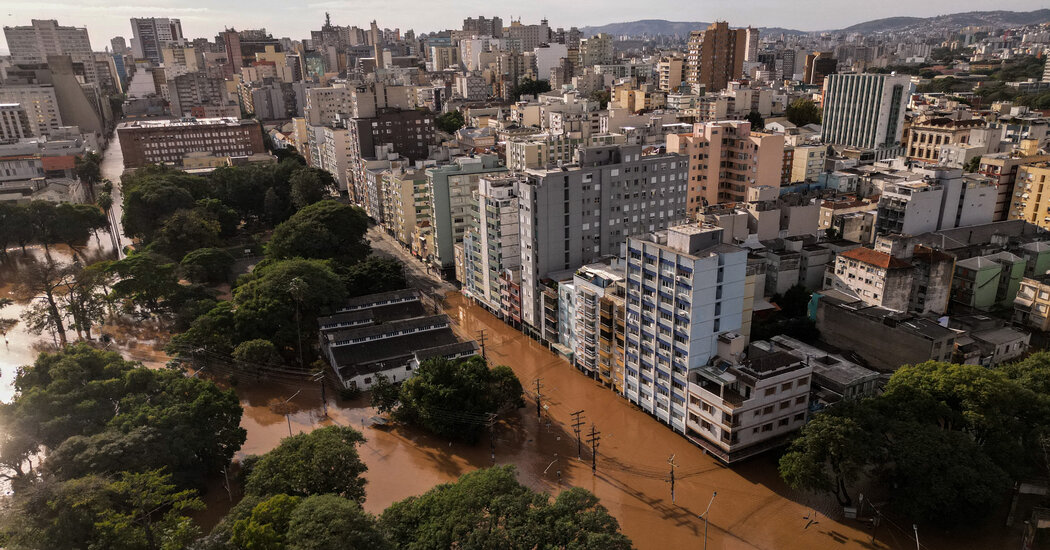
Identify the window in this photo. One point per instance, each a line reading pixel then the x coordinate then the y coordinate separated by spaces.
pixel 785 404
pixel 783 422
pixel 768 410
pixel 770 391
pixel 785 386
pixel 800 400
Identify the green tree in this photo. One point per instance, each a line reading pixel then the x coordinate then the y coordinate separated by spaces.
pixel 528 86
pixel 42 282
pixel 373 275
pixel 972 165
pixel 802 112
pixel 757 122
pixel 384 394
pixel 74 223
pixel 490 509
pixel 214 210
pixel 84 297
pixel 214 332
pixel 449 122
pixel 322 461
pixel 256 355
pixel 266 527
pixel 146 280
pixel 310 185
pixel 328 522
pixel 830 454
pixel 148 205
pixel 323 230
pixel 186 230
pixel 454 398
pixel 266 309
pixel 88 170
pixel 207 265
pixel 602 97
pixel 150 513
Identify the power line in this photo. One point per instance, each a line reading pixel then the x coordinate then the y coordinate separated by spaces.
pixel 593 440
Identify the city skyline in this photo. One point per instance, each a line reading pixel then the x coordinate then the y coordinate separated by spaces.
pixel 201 19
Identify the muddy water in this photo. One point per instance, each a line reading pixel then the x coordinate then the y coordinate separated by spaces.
pixel 753 508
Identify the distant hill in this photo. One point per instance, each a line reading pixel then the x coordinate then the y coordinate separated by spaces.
pixel 954 21
pixel 661 27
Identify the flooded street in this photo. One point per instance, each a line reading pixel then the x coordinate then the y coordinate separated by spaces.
pixel 753 509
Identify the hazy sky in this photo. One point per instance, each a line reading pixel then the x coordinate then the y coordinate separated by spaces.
pixel 106 19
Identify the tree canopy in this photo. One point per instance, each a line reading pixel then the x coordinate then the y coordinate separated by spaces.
pixel 323 230
pixel 127 448
pixel 454 398
pixel 802 112
pixel 322 461
pixel 950 439
pixel 449 122
pixel 490 509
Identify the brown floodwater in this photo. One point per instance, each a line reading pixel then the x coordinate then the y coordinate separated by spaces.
pixel 753 509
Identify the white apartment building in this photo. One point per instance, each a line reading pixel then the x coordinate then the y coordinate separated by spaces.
pixel 43 37
pixel 685 287
pixel 865 110
pixel 740 406
pixel 572 215
pixel 491 242
pixel 151 34
pixel 335 154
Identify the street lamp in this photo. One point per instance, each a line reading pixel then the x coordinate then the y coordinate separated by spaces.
pixel 703 516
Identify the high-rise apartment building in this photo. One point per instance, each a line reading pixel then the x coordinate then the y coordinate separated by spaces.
pixel 715 57
pixel 118 45
pixel 573 215
pixel 483 27
pixel 531 36
pixel 670 73
pixel 596 50
pixel 14 123
pixel 43 37
pixel 491 243
pixel 39 103
pixel 196 89
pixel 151 34
pixel 452 189
pixel 819 65
pixel 865 110
pixel 685 287
pixel 726 159
pixel 33 43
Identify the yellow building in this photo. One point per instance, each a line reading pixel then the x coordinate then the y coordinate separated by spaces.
pixel 1031 200
pixel 1032 304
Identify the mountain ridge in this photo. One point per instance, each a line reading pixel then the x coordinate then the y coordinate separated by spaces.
pixel 993 18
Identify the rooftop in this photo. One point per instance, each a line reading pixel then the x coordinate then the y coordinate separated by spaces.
pixel 186 122
pixel 875 258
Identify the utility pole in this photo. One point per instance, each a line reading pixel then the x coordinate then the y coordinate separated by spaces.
pixel 671 462
pixel 319 377
pixel 705 514
pixel 539 396
pixel 481 337
pixel 593 440
pixel 916 529
pixel 576 423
